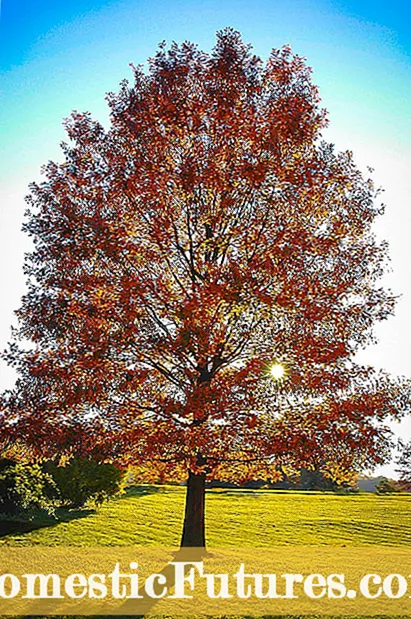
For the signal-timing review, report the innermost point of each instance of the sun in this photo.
(277, 371)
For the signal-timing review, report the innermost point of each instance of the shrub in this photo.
(81, 480)
(24, 488)
(387, 486)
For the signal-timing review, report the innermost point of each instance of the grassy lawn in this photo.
(153, 515)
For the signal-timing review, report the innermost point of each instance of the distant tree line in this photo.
(304, 479)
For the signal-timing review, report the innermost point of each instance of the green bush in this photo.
(387, 486)
(81, 480)
(24, 488)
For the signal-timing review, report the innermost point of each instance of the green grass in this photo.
(153, 516)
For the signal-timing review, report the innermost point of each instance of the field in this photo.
(153, 516)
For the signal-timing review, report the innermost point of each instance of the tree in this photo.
(314, 479)
(205, 244)
(82, 480)
(404, 465)
(24, 489)
(387, 486)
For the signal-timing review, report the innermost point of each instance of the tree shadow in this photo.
(255, 492)
(14, 526)
(138, 491)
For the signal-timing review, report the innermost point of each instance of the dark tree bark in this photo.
(194, 529)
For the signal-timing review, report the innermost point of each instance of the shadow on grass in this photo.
(255, 492)
(16, 526)
(138, 491)
(13, 527)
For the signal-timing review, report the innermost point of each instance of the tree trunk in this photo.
(194, 529)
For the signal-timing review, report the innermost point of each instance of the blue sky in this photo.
(56, 56)
(60, 56)
(24, 22)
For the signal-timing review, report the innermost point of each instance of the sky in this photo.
(59, 56)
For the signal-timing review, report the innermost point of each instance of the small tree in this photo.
(24, 489)
(387, 486)
(314, 479)
(404, 464)
(203, 273)
(82, 480)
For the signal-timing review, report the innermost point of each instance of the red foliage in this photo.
(208, 233)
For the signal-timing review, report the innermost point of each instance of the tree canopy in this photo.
(206, 235)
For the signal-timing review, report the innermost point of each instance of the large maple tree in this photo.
(206, 236)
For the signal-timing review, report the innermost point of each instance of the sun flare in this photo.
(277, 371)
